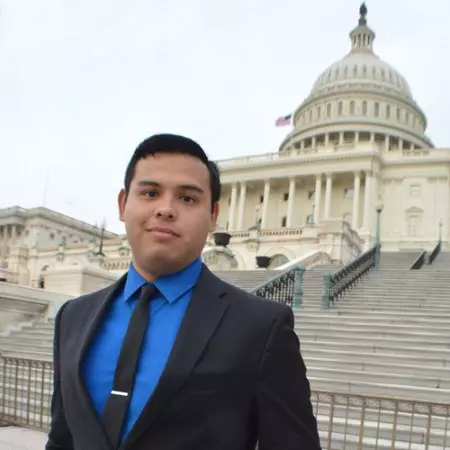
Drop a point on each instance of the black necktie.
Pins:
(117, 404)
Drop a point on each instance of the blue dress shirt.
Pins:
(166, 313)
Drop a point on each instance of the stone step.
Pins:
(359, 329)
(381, 316)
(391, 339)
(29, 347)
(388, 346)
(380, 389)
(321, 321)
(343, 307)
(380, 377)
(369, 356)
(380, 365)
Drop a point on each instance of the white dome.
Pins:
(365, 70)
(359, 98)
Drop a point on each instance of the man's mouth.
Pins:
(163, 230)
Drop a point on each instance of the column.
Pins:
(356, 189)
(3, 241)
(367, 200)
(317, 195)
(13, 234)
(328, 190)
(241, 211)
(291, 201)
(265, 207)
(232, 213)
(387, 142)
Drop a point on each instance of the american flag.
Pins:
(283, 121)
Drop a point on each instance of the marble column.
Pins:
(367, 200)
(265, 206)
(232, 213)
(317, 198)
(328, 192)
(291, 201)
(356, 191)
(241, 211)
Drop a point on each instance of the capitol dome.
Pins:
(359, 98)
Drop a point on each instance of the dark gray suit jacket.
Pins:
(234, 377)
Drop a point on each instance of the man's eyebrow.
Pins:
(186, 186)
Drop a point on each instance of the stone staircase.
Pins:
(246, 279)
(398, 260)
(442, 262)
(390, 335)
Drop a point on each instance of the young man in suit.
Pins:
(171, 357)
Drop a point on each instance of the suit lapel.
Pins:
(203, 315)
(94, 314)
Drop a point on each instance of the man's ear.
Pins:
(214, 216)
(121, 201)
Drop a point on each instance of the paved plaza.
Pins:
(13, 438)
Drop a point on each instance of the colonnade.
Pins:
(239, 196)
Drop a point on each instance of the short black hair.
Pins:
(173, 143)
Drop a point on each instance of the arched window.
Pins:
(352, 107)
(364, 108)
(376, 109)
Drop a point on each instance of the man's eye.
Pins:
(150, 194)
(188, 199)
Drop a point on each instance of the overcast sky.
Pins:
(83, 82)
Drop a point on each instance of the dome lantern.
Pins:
(362, 36)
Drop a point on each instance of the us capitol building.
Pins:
(356, 165)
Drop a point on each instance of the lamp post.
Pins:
(379, 209)
(441, 223)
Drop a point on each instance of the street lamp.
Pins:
(441, 223)
(379, 209)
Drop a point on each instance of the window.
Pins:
(261, 198)
(319, 112)
(364, 108)
(286, 196)
(352, 107)
(414, 190)
(376, 109)
(388, 111)
(340, 108)
(348, 193)
(283, 222)
(414, 225)
(329, 110)
(398, 113)
(310, 219)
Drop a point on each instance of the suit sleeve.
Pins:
(285, 414)
(59, 437)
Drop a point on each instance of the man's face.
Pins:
(167, 212)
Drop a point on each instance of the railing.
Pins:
(360, 422)
(337, 284)
(286, 288)
(435, 252)
(419, 262)
(25, 392)
(345, 420)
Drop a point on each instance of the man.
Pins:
(170, 357)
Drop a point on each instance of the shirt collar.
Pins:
(172, 286)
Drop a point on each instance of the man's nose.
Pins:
(165, 210)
